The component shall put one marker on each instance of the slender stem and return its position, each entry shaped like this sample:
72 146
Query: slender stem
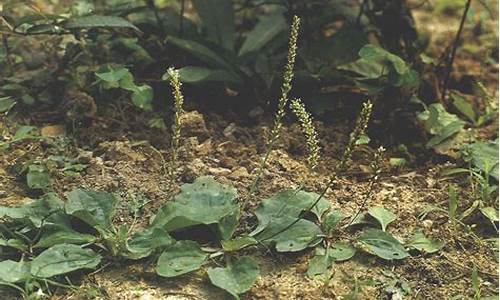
159 22
365 199
454 50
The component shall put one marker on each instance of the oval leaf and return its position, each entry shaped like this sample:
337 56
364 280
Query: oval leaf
13 271
63 258
180 258
382 244
203 202
92 207
382 215
267 28
421 243
96 21
236 278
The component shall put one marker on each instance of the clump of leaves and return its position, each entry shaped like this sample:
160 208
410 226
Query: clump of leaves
120 77
192 206
223 57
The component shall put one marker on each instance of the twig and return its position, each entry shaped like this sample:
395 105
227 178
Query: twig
159 22
454 50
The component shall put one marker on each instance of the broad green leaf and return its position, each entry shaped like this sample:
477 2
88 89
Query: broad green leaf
373 53
332 219
435 118
490 213
57 234
325 258
143 243
266 29
24 132
93 207
13 271
49 209
319 265
288 203
115 77
238 243
365 68
180 258
341 251
286 238
382 244
192 74
37 177
96 21
382 215
218 20
201 52
464 107
62 259
445 133
6 103
14 243
203 202
483 155
237 278
421 243
142 97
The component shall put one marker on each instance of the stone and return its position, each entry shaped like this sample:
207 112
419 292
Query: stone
238 173
193 125
219 171
53 131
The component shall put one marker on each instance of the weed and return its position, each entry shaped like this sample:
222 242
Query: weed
282 101
306 122
176 84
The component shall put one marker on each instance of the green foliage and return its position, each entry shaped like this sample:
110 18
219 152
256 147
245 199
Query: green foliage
180 258
6 103
484 156
39 23
203 202
237 278
439 123
110 78
62 259
145 243
94 208
377 68
14 271
229 61
325 258
331 220
37 177
95 21
421 243
217 18
382 215
286 207
382 244
238 243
